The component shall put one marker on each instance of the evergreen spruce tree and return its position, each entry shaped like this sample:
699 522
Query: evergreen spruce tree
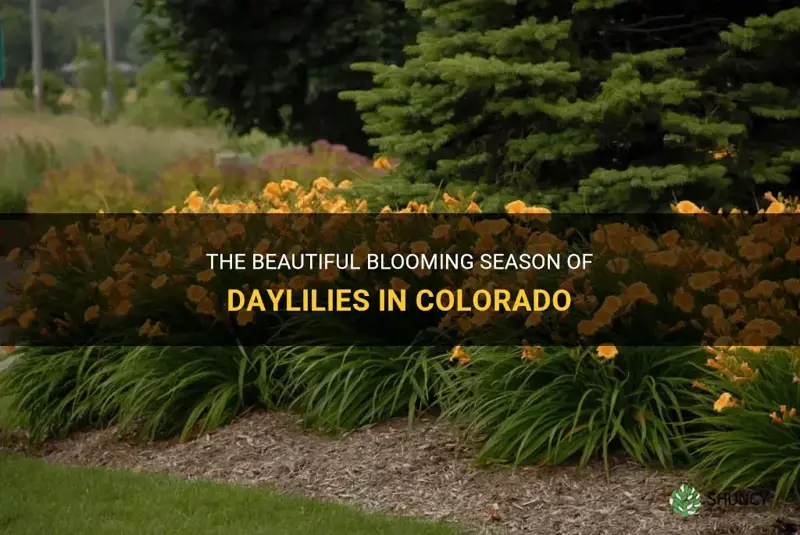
597 105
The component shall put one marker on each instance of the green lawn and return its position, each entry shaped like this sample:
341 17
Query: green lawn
40 498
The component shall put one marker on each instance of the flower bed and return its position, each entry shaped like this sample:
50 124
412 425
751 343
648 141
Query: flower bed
732 415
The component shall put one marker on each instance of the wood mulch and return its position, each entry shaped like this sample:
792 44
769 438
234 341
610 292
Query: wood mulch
425 472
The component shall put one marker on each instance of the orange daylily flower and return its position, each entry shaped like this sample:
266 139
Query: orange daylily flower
91 313
243 317
196 293
530 353
382 163
725 401
460 355
205 276
123 308
607 351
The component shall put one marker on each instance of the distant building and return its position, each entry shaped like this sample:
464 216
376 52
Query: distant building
71 70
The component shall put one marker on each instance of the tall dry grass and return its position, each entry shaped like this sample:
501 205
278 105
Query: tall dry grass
8 103
61 129
66 129
31 143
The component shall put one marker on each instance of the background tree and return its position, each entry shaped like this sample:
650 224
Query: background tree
159 102
268 60
597 105
62 23
56 37
53 87
93 81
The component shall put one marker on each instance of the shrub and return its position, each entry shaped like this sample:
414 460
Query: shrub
346 388
55 391
53 88
159 103
166 391
751 433
22 165
556 404
255 143
595 106
323 159
529 405
163 391
201 172
96 184
397 191
93 80
162 108
128 256
643 289
99 183
155 392
278 66
394 191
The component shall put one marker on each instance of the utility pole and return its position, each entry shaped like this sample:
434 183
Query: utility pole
110 61
36 45
2 60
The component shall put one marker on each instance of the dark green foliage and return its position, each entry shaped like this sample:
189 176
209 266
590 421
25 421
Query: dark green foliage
565 404
22 164
54 391
597 105
58 35
62 23
346 388
153 391
568 404
392 190
396 191
279 65
306 164
159 103
189 390
53 87
742 447
165 391
93 80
